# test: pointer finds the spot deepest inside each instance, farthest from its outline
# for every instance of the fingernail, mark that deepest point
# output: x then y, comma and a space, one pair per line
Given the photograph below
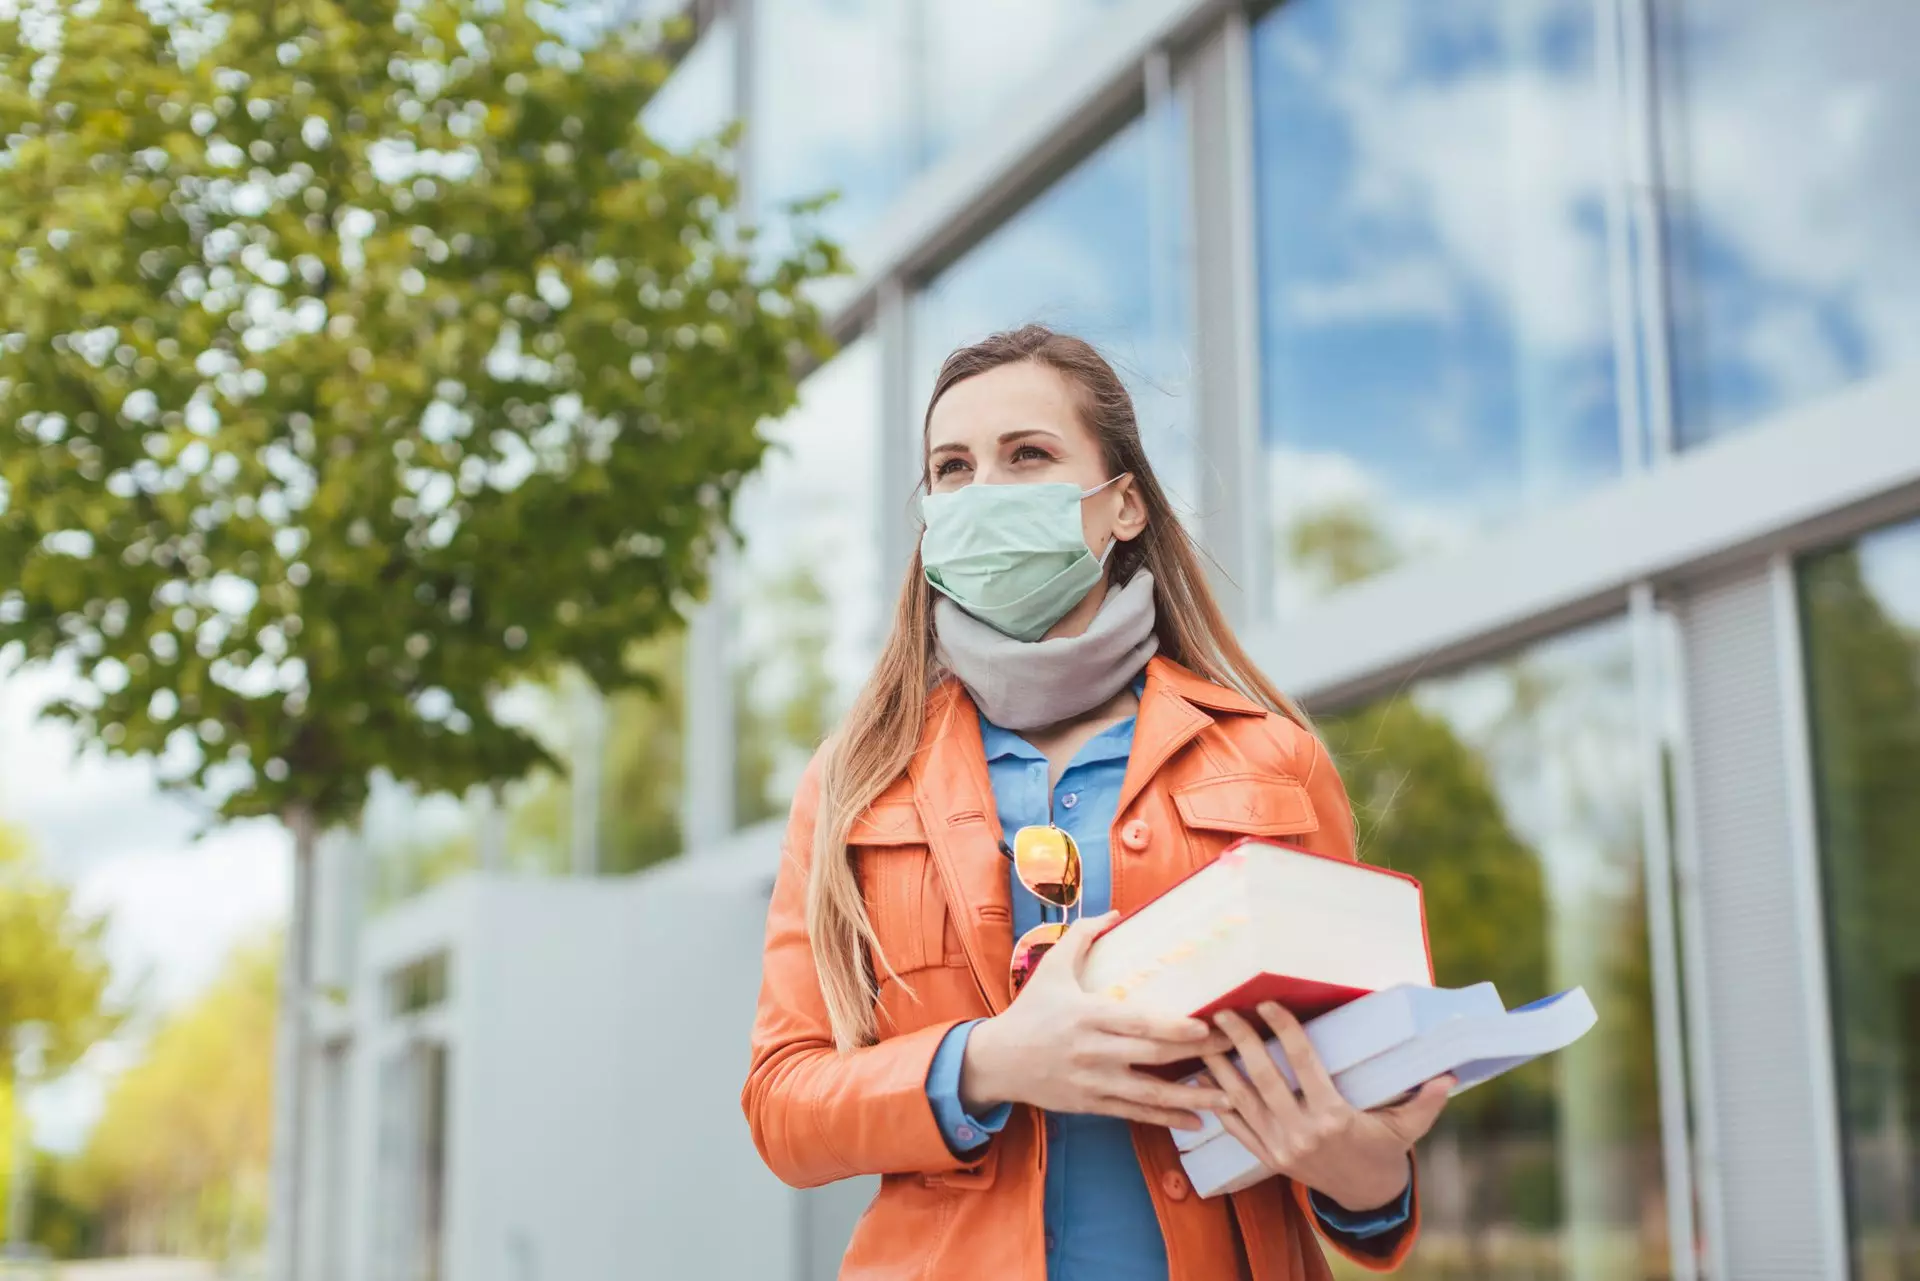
1269, 1008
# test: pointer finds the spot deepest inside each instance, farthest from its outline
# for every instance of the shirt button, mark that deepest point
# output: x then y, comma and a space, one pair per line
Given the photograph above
1049, 1243
965, 1132
1176, 1184
1053, 1127
1070, 800
1136, 834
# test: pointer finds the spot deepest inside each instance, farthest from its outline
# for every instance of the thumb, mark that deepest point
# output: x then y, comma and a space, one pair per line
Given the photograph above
1071, 950
1411, 1120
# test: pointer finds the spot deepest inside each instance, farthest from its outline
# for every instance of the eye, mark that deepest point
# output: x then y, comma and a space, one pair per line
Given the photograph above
1025, 451
946, 467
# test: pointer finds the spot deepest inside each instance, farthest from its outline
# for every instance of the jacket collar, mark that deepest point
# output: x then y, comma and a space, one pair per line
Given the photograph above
954, 797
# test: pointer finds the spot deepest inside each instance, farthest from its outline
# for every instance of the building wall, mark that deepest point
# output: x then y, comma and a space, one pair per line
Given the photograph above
1544, 378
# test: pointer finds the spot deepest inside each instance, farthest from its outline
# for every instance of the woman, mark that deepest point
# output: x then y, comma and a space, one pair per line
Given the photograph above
1057, 666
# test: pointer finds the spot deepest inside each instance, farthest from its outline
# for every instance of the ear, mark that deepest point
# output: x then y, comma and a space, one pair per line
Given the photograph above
1132, 519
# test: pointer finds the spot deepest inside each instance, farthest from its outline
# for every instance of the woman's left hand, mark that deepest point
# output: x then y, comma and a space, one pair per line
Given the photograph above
1358, 1159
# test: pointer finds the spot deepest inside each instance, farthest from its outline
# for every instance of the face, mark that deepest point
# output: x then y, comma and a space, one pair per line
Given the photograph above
1020, 424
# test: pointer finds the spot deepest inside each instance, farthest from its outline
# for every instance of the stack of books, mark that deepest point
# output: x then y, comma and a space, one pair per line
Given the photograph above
1344, 947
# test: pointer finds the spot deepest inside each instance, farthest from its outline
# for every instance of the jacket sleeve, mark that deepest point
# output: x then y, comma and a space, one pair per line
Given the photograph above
1384, 1251
816, 1114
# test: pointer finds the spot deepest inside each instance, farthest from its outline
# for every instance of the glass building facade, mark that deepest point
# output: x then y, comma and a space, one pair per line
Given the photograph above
1544, 378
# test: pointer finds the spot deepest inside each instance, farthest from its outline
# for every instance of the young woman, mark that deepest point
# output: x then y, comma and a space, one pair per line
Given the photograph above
1061, 722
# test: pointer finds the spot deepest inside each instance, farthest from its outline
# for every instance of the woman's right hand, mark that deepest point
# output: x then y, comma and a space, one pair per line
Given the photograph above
1065, 1049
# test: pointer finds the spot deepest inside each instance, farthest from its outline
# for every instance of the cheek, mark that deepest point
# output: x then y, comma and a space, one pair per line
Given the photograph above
1096, 522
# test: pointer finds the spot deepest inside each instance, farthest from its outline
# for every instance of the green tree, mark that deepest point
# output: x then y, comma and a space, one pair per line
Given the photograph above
359, 361
53, 968
178, 1159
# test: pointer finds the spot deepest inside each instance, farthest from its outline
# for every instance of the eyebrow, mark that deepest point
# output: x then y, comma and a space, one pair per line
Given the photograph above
1021, 433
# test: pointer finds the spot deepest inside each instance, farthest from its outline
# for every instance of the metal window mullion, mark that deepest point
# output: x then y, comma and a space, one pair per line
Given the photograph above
1643, 192
1803, 836
1621, 296
1247, 488
1657, 854
896, 528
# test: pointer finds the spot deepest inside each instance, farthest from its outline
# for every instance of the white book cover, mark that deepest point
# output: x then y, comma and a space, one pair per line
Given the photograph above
1389, 1043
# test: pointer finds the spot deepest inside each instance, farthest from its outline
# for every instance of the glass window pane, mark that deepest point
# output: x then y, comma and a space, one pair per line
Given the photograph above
1436, 343
1861, 606
828, 109
1793, 167
807, 596
1100, 254
1511, 790
975, 73
697, 101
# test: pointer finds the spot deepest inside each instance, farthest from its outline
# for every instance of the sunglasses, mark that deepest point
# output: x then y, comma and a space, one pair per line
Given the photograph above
1048, 864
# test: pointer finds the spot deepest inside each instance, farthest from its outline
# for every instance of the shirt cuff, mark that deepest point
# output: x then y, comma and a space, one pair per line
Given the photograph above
963, 1132
1362, 1225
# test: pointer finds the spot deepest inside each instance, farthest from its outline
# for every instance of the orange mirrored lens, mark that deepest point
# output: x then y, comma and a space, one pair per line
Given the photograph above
1049, 864
1027, 953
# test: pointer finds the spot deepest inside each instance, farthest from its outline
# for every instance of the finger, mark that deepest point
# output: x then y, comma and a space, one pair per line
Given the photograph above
1260, 1070
1071, 951
1248, 1110
1141, 1051
1411, 1120
1172, 1118
1151, 1091
1244, 1134
1112, 1016
1315, 1084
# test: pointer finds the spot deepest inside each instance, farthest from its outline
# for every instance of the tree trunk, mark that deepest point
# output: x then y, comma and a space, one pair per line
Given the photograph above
292, 1062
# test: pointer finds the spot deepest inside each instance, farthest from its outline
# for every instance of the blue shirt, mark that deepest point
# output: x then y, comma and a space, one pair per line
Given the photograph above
1100, 1222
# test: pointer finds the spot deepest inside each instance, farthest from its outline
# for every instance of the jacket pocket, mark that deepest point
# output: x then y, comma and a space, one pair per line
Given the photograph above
1247, 805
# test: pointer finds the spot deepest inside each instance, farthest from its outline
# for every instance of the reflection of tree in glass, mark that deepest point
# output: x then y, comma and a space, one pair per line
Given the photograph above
782, 699
785, 696
1426, 806
1338, 544
1863, 672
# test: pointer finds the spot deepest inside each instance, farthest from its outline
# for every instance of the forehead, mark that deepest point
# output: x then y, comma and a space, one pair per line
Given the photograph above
975, 411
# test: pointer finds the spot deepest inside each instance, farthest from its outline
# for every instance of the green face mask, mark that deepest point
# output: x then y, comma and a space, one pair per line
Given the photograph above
1013, 556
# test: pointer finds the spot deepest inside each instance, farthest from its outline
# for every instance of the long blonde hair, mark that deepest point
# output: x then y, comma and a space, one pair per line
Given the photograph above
883, 727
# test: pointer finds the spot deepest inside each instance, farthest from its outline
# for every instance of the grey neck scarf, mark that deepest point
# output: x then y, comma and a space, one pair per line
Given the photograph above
1024, 685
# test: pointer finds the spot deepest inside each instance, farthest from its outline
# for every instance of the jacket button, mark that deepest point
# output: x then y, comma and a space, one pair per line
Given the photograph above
1135, 834
1176, 1184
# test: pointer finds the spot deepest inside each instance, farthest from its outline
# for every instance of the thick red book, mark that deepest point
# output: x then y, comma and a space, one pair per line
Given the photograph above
1266, 922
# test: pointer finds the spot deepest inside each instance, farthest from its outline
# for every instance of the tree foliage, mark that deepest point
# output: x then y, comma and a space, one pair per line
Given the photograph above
358, 361
1864, 685
178, 1159
53, 967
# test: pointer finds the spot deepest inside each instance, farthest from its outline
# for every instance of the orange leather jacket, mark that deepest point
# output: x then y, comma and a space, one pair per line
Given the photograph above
1208, 767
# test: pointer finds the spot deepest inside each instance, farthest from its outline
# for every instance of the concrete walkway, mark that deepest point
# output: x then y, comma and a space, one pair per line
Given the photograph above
138, 1270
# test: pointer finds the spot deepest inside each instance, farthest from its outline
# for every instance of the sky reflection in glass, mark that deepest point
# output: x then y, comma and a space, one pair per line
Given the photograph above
1099, 256
1792, 169
1436, 344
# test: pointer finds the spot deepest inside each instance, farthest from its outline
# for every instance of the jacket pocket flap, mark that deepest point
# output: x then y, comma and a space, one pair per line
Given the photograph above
1253, 804
888, 823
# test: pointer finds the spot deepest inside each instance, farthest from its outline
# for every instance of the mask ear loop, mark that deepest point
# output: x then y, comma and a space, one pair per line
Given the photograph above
1085, 494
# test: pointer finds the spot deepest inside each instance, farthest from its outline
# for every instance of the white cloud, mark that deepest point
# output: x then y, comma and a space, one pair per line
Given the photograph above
1500, 164
1403, 289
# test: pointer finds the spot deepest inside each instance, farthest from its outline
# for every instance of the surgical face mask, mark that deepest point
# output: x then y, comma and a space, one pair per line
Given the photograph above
1013, 556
